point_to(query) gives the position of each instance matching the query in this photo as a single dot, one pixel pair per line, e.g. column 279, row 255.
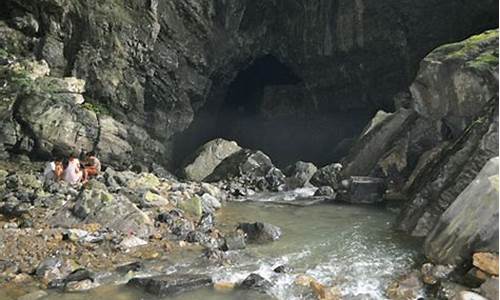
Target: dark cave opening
column 268, row 107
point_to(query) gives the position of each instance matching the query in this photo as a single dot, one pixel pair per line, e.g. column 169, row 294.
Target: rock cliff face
column 158, row 73
column 431, row 151
column 470, row 224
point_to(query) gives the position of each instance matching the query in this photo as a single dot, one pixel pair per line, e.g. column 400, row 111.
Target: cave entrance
column 268, row 107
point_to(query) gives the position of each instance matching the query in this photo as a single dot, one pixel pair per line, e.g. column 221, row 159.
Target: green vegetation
column 486, row 60
column 97, row 108
column 479, row 51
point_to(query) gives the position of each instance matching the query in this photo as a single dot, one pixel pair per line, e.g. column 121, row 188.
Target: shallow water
column 351, row 247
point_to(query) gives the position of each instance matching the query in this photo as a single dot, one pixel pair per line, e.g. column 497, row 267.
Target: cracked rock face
column 159, row 68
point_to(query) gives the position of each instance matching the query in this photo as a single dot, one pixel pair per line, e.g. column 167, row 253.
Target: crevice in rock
column 26, row 130
column 99, row 129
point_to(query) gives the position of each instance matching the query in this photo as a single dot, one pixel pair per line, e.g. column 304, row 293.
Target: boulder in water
column 172, row 284
column 328, row 176
column 260, row 232
column 234, row 241
column 255, row 282
column 283, row 269
column 365, row 190
column 299, row 174
column 202, row 163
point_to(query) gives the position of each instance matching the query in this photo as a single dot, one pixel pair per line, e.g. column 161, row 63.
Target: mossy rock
column 479, row 51
column 144, row 181
column 30, row 181
column 106, row 197
column 192, row 206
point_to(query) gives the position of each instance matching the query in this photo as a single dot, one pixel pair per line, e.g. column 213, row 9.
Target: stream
column 351, row 247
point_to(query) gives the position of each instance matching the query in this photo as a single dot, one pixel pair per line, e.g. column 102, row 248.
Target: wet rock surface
column 260, row 232
column 255, row 282
column 469, row 223
column 169, row 285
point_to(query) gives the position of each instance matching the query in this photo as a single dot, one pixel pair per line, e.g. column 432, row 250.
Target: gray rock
column 113, row 146
column 260, row 232
column 299, row 174
column 168, row 285
column 454, row 82
column 490, row 288
column 453, row 164
column 328, row 176
column 204, row 161
column 234, row 241
column 77, row 130
column 325, row 191
column 371, row 147
column 255, row 282
column 364, row 189
column 209, row 203
column 114, row 211
column 242, row 163
column 470, row 223
column 80, row 286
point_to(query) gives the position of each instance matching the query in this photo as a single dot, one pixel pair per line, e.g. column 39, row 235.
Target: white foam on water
column 291, row 195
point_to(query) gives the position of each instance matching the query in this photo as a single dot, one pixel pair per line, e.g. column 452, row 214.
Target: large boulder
column 242, row 163
column 376, row 140
column 465, row 115
column 207, row 158
column 457, row 80
column 260, row 232
column 114, row 211
column 57, row 122
column 470, row 223
column 248, row 169
column 329, row 175
column 299, row 174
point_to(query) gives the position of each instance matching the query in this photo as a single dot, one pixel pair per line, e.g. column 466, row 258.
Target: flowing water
column 351, row 247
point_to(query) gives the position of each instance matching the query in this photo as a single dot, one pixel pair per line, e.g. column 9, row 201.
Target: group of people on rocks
column 72, row 170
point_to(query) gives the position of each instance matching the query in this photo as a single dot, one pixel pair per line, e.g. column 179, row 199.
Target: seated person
column 72, row 173
column 92, row 165
column 53, row 170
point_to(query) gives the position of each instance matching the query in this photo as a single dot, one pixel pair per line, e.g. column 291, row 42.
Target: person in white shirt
column 53, row 170
column 72, row 173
